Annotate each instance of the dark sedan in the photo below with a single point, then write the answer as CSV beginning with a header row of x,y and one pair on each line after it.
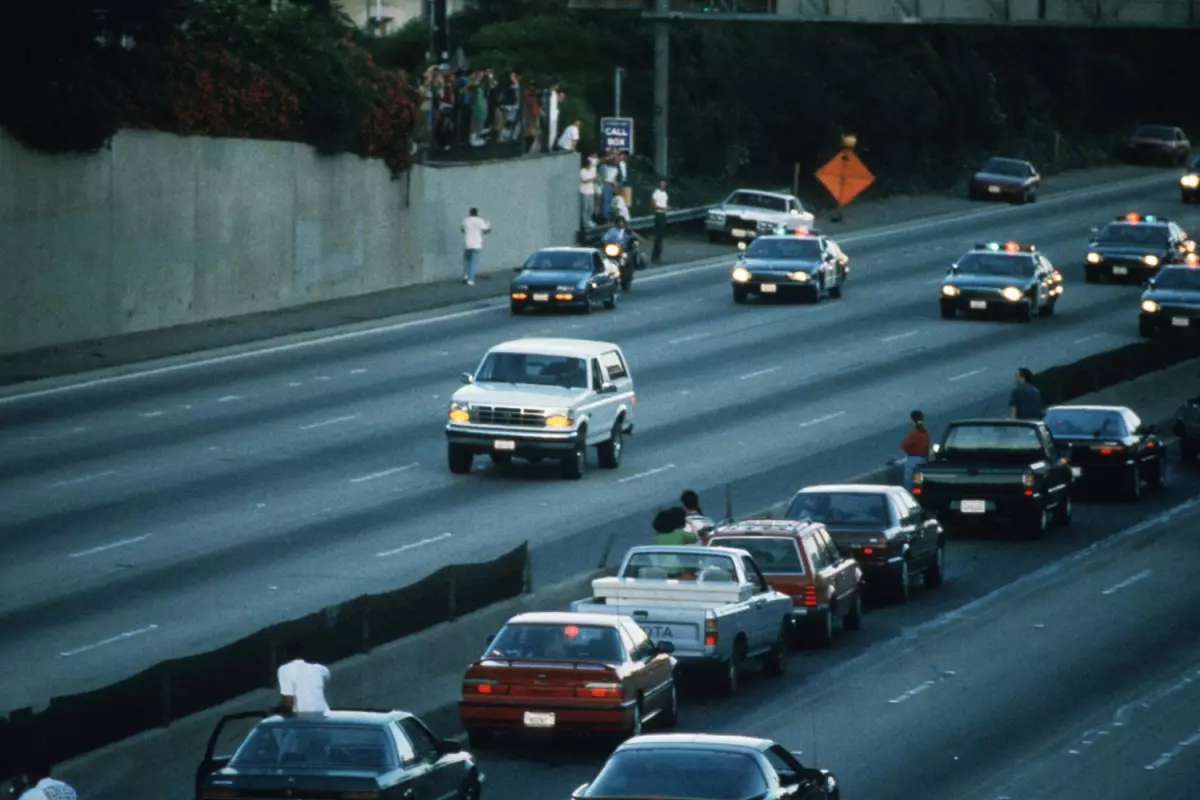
x,y
696,766
337,754
1156,143
1013,280
809,266
565,277
1008,179
1189,181
1110,447
1134,246
1171,301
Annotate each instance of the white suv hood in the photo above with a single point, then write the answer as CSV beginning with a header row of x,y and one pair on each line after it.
x,y
520,395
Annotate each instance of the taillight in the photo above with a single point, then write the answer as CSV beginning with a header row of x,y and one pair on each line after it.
x,y
917,480
611,690
484,687
810,595
1027,482
868,551
710,632
1108,450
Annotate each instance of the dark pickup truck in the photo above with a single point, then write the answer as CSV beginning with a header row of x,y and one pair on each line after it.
x,y
997,471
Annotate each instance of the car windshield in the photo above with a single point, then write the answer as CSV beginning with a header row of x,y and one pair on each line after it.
x,y
1019,265
1137,234
700,566
534,369
1160,132
773,554
1094,423
1005,166
559,260
315,747
1178,279
841,508
1003,438
756,200
788,248
541,642
669,773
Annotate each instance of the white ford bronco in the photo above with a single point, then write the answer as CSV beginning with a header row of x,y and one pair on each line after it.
x,y
543,398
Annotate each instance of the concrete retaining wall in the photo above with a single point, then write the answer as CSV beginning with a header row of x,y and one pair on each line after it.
x,y
162,230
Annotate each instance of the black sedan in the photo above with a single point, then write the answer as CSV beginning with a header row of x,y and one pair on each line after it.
x,y
1012,280
1134,246
565,277
337,754
1171,301
1110,447
1189,181
696,766
809,266
1008,179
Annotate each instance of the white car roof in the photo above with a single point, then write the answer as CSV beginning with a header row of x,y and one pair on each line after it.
x,y
777,195
580,348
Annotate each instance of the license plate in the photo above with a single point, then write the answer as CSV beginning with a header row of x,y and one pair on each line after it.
x,y
1179,322
980,304
740,233
994,189
1077,472
769,288
541,298
504,444
974,507
1120,270
539,719
656,632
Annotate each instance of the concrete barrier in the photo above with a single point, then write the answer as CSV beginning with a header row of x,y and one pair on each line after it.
x,y
162,230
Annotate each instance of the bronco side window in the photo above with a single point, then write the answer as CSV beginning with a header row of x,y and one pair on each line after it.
x,y
597,375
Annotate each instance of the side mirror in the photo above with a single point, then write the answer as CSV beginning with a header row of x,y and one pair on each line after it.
x,y
608,387
664,647
448,746
467,378
741,246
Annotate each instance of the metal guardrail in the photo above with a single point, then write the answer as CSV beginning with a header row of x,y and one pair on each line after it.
x,y
680,214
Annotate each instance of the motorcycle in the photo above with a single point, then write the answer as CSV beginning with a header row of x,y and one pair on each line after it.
x,y
627,261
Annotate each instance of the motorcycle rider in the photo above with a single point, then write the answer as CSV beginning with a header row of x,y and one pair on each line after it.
x,y
620,234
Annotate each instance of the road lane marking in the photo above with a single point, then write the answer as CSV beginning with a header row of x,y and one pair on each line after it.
x,y
1132,579
357,371
825,418
414,545
760,373
647,473
323,378
333,421
899,336
691,338
152,413
966,375
926,686
1167,758
229,398
1089,338
83,479
294,384
699,265
120,637
91,551
383,474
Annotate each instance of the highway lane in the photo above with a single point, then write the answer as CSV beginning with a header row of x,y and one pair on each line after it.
x,y
1079,680
264,488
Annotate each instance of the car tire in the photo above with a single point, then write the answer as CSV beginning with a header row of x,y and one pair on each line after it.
x,y
1033,196
1145,329
516,309
835,292
611,302
774,661
1039,524
471,788
1133,484
670,715
460,459
1090,275
902,584
948,311
501,459
936,574
728,677
1063,512
852,619
1158,478
589,303
573,463
822,631
609,453
1026,313
1048,309
1024,199
715,238
740,295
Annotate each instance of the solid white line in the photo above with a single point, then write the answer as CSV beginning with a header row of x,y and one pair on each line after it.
x,y
647,473
1089,338
825,418
414,545
111,640
229,398
1132,579
383,474
761,372
901,228
979,371
329,422
110,546
83,479
153,414
691,338
294,384
899,336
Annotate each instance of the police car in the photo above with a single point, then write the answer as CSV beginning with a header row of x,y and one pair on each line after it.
x,y
1010,279
800,262
1171,301
1134,246
1189,181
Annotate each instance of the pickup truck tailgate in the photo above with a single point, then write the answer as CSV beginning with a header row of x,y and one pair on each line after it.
x,y
983,483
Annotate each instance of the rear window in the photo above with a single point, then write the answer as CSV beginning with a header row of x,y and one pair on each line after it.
x,y
679,773
1093,423
700,565
1005,166
845,508
557,643
309,746
773,554
1154,132
967,438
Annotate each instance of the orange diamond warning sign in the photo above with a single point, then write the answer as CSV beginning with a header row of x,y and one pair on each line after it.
x,y
845,176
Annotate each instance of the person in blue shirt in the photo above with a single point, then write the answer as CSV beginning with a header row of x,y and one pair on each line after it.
x,y
1025,401
619,234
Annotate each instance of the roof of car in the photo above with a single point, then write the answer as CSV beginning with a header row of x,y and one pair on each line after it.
x,y
565,618
339,717
562,249
756,527
681,549
1008,159
862,488
1072,407
1015,423
791,237
705,741
763,192
555,347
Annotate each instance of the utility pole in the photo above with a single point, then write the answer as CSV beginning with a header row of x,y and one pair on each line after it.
x,y
662,71
617,75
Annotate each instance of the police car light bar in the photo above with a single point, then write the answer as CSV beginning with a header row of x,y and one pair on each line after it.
x,y
1009,247
1192,260
1135,217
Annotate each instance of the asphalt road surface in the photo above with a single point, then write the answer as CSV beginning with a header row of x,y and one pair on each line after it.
x,y
156,516
1079,680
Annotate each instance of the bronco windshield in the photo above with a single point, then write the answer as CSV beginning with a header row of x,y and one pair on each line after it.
x,y
1157,132
785,249
1134,234
559,260
1019,265
542,642
533,369
1094,423
1187,280
315,746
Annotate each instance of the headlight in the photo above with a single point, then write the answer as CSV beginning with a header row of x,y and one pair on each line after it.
x,y
460,412
1150,261
1058,278
800,275
612,250
1190,181
741,274
949,291
558,418
716,216
1149,306
1012,294
1094,258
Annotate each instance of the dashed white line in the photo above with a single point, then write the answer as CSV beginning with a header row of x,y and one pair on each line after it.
x,y
80,429
970,374
120,637
1132,579
1089,338
414,545
1167,758
825,418
333,421
760,373
357,371
294,384
897,337
383,474
229,398
110,546
646,474
152,413
82,479
924,687
323,378
691,338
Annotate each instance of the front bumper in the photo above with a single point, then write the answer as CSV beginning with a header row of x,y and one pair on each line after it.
x,y
1168,320
1121,269
512,716
513,441
549,298
993,304
992,191
783,287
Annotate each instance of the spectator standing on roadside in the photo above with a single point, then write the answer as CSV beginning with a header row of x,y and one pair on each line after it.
x,y
532,119
915,447
474,228
550,107
512,109
587,191
570,138
1025,402
608,181
302,684
660,203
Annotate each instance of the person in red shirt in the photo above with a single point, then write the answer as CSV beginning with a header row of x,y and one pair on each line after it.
x,y
915,447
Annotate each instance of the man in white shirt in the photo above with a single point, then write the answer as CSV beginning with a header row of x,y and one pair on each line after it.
x,y
302,684
587,191
661,205
570,137
551,111
608,185
619,208
42,786
474,228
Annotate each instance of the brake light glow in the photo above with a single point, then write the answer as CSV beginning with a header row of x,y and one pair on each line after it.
x,y
610,690
918,479
571,631
867,551
1108,450
810,595
1191,259
1027,482
710,632
484,687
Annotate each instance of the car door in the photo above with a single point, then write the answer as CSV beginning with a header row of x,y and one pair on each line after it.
x,y
845,570
617,373
416,780
910,530
652,671
602,277
1058,478
445,772
789,772
823,571
1135,432
927,529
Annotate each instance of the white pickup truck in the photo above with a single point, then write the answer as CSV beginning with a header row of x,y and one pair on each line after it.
x,y
713,604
